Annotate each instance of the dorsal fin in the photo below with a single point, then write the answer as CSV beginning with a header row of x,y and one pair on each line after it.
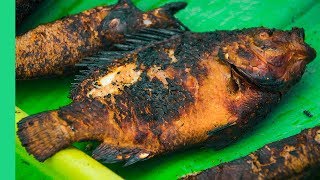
x,y
146,37
133,42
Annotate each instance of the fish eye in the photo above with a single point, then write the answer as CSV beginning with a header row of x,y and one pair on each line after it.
x,y
114,23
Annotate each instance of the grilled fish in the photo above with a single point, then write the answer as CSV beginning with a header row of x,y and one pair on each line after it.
x,y
53,49
188,89
24,8
296,157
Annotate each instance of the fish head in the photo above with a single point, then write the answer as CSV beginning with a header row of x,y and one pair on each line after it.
x,y
272,59
125,18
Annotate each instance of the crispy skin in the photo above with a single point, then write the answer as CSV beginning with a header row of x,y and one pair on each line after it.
x,y
165,96
24,8
54,48
296,157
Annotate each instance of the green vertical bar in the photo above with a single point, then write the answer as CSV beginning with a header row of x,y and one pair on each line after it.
x,y
7,78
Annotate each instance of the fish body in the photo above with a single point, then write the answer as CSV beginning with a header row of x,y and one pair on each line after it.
x,y
186,90
53,49
295,157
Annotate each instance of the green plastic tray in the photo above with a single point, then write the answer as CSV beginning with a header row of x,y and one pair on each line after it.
x,y
285,120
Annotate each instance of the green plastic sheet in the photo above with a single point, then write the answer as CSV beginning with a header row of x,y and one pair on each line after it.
x,y
285,120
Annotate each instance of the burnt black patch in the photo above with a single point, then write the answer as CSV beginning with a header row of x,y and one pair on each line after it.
x,y
243,53
153,57
152,101
190,50
75,23
194,47
264,155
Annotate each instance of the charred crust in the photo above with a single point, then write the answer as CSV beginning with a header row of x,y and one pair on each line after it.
x,y
82,35
294,157
153,57
85,116
79,40
152,101
244,53
191,50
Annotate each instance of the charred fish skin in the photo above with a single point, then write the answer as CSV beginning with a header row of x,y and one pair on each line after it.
x,y
169,94
263,61
127,18
53,49
24,8
267,65
295,157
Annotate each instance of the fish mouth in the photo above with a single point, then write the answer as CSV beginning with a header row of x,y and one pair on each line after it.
x,y
306,53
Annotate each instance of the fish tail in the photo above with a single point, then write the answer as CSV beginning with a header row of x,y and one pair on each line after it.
x,y
44,134
168,11
174,7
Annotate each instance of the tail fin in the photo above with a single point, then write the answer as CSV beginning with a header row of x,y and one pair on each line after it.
x,y
170,9
44,134
173,7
